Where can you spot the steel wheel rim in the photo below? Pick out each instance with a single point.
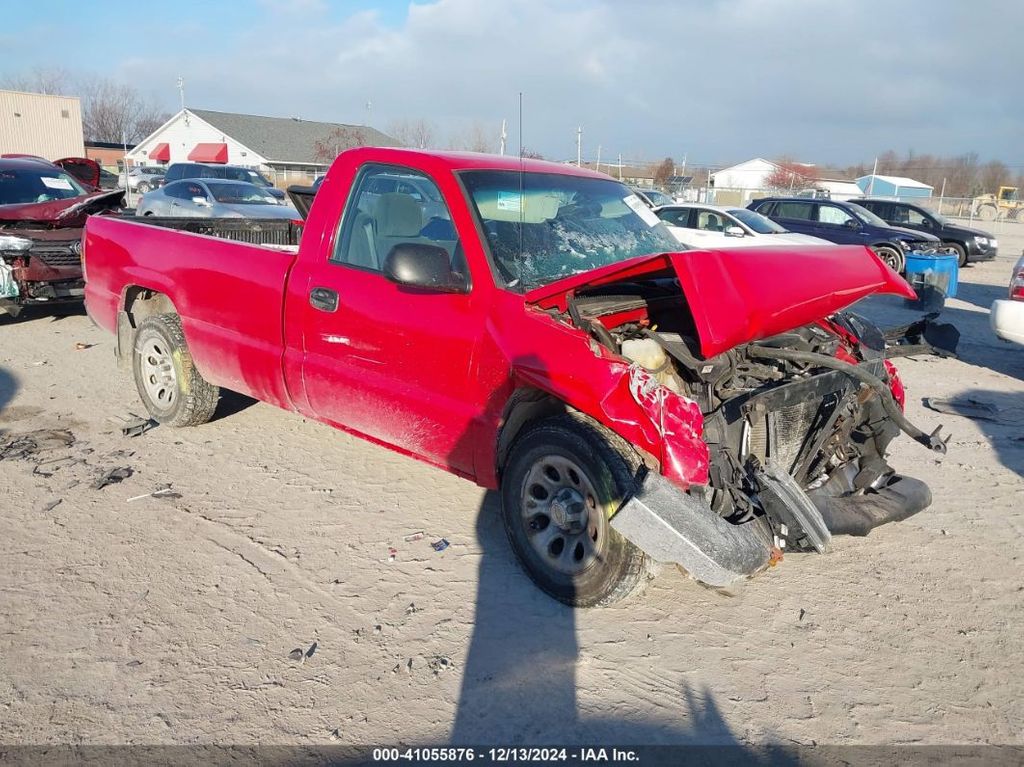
(562, 516)
(159, 378)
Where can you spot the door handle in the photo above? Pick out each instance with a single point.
(324, 299)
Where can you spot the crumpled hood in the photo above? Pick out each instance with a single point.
(62, 213)
(747, 294)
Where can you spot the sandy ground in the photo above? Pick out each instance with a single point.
(171, 620)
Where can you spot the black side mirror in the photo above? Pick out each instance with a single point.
(417, 265)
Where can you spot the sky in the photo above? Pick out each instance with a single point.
(821, 81)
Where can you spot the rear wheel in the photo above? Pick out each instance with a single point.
(892, 256)
(564, 479)
(170, 386)
(959, 251)
(987, 212)
(143, 187)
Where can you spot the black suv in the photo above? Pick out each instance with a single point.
(181, 170)
(969, 244)
(846, 224)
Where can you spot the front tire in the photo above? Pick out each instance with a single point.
(170, 386)
(143, 187)
(987, 212)
(563, 480)
(959, 251)
(892, 257)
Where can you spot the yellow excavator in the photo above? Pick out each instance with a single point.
(1007, 204)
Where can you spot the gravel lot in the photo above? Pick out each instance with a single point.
(127, 619)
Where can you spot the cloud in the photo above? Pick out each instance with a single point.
(719, 81)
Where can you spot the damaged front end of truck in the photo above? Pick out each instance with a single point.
(774, 408)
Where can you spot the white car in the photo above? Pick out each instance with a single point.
(1007, 315)
(711, 226)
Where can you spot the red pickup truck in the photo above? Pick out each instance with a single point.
(534, 328)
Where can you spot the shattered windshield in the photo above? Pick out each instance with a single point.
(541, 227)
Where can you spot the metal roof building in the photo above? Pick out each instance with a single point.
(280, 143)
(893, 186)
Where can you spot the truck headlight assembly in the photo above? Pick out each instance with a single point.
(11, 244)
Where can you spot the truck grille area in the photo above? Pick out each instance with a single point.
(57, 254)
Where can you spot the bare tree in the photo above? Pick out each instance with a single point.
(50, 81)
(477, 138)
(993, 175)
(419, 133)
(791, 175)
(662, 171)
(337, 141)
(113, 112)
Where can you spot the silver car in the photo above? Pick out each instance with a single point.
(142, 178)
(213, 198)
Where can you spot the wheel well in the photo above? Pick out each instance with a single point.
(140, 303)
(526, 405)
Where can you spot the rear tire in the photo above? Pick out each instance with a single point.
(143, 187)
(564, 478)
(170, 386)
(891, 256)
(987, 212)
(959, 250)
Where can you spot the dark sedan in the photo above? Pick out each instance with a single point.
(969, 244)
(845, 223)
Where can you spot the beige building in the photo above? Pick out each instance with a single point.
(47, 126)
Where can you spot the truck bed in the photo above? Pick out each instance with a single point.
(273, 232)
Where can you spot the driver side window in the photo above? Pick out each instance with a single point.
(383, 212)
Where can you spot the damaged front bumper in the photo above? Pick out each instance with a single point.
(678, 527)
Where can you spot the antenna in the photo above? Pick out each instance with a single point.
(522, 195)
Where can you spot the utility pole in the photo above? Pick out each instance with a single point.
(871, 183)
(579, 146)
(181, 93)
(598, 168)
(504, 137)
(620, 166)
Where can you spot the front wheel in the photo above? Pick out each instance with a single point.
(170, 386)
(143, 187)
(987, 212)
(564, 479)
(891, 256)
(959, 251)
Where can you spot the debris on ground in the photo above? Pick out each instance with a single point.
(969, 407)
(112, 477)
(440, 545)
(802, 613)
(417, 536)
(132, 425)
(81, 346)
(297, 654)
(311, 650)
(411, 608)
(392, 553)
(439, 664)
(335, 734)
(164, 492)
(52, 505)
(21, 446)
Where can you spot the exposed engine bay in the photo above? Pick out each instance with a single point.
(797, 424)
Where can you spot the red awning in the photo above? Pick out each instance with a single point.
(160, 153)
(209, 153)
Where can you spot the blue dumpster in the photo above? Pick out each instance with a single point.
(934, 277)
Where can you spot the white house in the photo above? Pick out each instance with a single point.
(750, 175)
(285, 145)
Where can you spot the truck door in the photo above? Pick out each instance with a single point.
(386, 361)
